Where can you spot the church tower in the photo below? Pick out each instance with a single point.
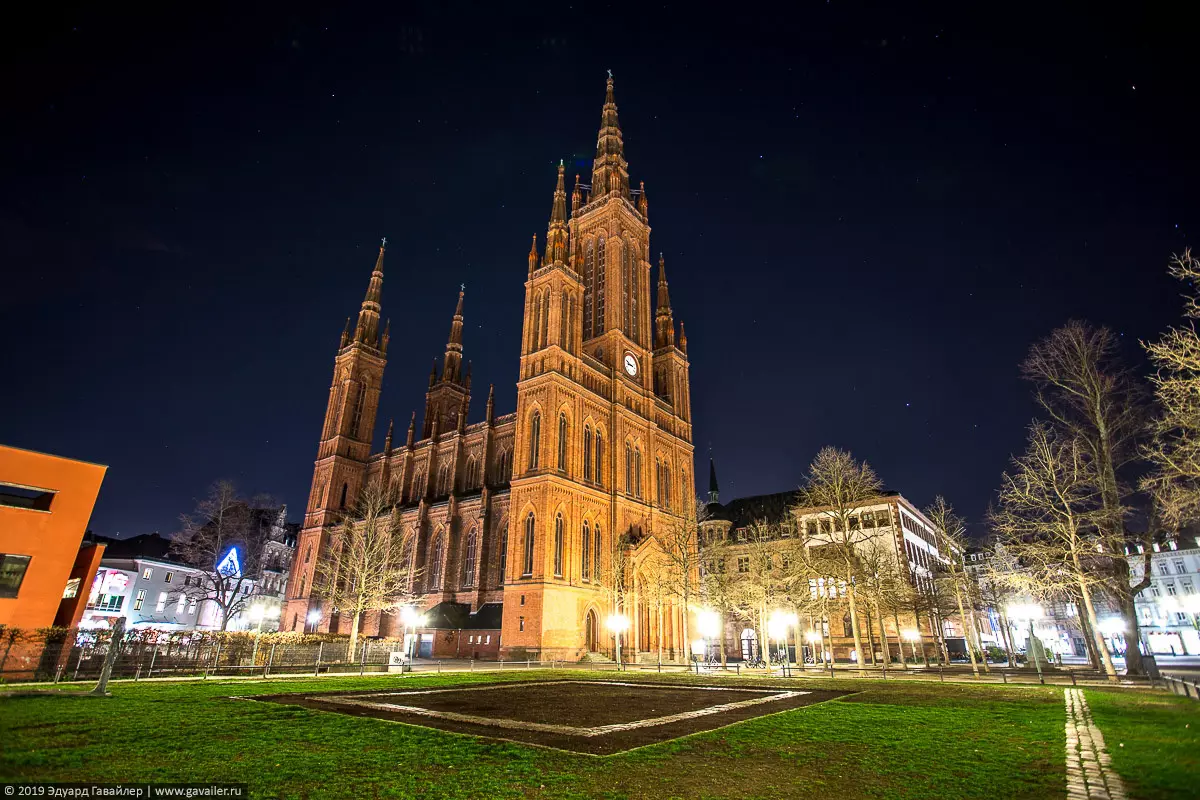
(345, 445)
(602, 395)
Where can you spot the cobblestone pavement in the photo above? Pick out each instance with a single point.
(1090, 775)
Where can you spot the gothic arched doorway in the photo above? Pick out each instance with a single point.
(591, 631)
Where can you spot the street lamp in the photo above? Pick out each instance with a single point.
(1031, 612)
(777, 628)
(912, 636)
(260, 612)
(618, 624)
(412, 619)
(708, 623)
(813, 637)
(313, 619)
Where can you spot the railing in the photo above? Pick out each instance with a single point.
(1188, 687)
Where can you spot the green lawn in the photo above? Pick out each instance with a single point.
(896, 739)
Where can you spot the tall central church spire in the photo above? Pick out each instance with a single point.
(610, 171)
(367, 330)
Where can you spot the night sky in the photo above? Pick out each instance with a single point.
(868, 215)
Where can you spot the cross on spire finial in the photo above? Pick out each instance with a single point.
(462, 287)
(384, 242)
(610, 74)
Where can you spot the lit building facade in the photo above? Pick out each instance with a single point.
(522, 516)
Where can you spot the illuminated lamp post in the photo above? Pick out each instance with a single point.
(261, 612)
(313, 619)
(412, 620)
(618, 624)
(912, 636)
(813, 638)
(708, 623)
(777, 628)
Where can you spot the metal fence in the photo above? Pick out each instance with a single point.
(73, 654)
(1188, 686)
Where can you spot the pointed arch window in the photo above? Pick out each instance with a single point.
(666, 472)
(472, 473)
(658, 482)
(360, 401)
(637, 471)
(587, 453)
(558, 546)
(530, 530)
(635, 293)
(628, 468)
(563, 342)
(443, 483)
(589, 293)
(586, 567)
(435, 563)
(596, 551)
(601, 258)
(469, 568)
(545, 335)
(342, 502)
(535, 439)
(562, 442)
(626, 289)
(503, 529)
(599, 458)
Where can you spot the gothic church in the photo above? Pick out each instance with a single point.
(540, 516)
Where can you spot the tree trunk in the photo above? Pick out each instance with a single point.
(1089, 639)
(660, 629)
(979, 640)
(924, 652)
(1006, 637)
(962, 616)
(687, 644)
(1099, 639)
(887, 647)
(870, 635)
(353, 634)
(854, 620)
(1133, 634)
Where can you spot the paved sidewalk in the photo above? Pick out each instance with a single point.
(1090, 775)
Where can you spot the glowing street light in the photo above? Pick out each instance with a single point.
(777, 628)
(411, 619)
(618, 624)
(1031, 612)
(708, 623)
(912, 636)
(260, 612)
(814, 639)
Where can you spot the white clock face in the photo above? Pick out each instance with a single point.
(630, 365)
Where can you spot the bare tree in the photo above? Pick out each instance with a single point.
(1093, 398)
(1046, 518)
(1174, 450)
(225, 541)
(951, 530)
(368, 566)
(718, 588)
(837, 487)
(679, 550)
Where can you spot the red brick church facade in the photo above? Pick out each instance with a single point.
(537, 517)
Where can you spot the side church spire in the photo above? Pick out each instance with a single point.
(664, 334)
(449, 395)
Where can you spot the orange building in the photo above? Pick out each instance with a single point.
(45, 504)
